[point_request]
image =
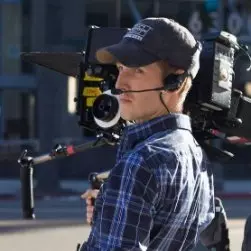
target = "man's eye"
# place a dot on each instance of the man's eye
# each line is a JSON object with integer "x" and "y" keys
{"x": 139, "y": 70}
{"x": 119, "y": 67}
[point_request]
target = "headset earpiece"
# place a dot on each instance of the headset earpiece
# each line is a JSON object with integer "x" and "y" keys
{"x": 173, "y": 81}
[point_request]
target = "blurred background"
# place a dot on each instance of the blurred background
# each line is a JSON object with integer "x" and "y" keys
{"x": 37, "y": 108}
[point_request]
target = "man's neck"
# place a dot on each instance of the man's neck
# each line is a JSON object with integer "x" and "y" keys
{"x": 156, "y": 115}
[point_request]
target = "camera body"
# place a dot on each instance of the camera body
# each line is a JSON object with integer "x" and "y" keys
{"x": 215, "y": 76}
{"x": 213, "y": 104}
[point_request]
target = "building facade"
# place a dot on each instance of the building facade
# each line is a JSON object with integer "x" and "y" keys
{"x": 34, "y": 101}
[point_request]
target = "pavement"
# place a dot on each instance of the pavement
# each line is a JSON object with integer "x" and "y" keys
{"x": 10, "y": 189}
{"x": 59, "y": 222}
{"x": 60, "y": 225}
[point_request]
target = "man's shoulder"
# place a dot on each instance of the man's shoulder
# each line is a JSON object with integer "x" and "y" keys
{"x": 165, "y": 147}
{"x": 155, "y": 152}
{"x": 169, "y": 142}
{"x": 171, "y": 147}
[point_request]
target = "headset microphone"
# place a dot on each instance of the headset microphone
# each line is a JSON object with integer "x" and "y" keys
{"x": 171, "y": 83}
{"x": 115, "y": 91}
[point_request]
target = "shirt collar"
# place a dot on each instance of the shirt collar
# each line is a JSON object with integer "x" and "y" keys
{"x": 136, "y": 133}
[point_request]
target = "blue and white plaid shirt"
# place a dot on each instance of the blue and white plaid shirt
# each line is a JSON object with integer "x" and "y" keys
{"x": 159, "y": 195}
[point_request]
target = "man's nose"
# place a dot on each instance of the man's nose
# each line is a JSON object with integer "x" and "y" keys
{"x": 121, "y": 81}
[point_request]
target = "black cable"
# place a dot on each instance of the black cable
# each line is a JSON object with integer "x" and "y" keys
{"x": 162, "y": 101}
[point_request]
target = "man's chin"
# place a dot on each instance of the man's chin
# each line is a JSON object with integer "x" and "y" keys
{"x": 127, "y": 116}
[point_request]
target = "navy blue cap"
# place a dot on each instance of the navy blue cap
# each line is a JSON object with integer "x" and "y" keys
{"x": 154, "y": 39}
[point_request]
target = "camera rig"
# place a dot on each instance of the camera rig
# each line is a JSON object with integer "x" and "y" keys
{"x": 216, "y": 108}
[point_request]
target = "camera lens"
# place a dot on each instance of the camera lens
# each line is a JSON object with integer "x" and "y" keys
{"x": 105, "y": 107}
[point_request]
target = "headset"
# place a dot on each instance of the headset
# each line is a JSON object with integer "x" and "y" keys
{"x": 173, "y": 81}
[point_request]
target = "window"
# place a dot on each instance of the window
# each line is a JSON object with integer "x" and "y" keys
{"x": 26, "y": 35}
{"x": 11, "y": 29}
{"x": 54, "y": 17}
{"x": 19, "y": 114}
{"x": 101, "y": 12}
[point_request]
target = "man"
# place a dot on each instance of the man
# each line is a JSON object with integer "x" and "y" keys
{"x": 159, "y": 195}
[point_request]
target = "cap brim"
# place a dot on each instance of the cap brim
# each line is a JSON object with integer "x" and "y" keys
{"x": 127, "y": 53}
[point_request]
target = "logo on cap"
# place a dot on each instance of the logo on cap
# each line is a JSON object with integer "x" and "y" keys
{"x": 138, "y": 31}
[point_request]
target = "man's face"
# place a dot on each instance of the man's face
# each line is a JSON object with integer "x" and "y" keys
{"x": 145, "y": 105}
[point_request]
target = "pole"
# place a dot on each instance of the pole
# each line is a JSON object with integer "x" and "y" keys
{"x": 27, "y": 196}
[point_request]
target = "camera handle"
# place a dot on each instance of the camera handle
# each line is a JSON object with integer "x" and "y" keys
{"x": 27, "y": 166}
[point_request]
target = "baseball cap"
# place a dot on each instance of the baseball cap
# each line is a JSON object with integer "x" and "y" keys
{"x": 153, "y": 39}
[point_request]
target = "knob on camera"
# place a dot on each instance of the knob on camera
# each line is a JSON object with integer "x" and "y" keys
{"x": 105, "y": 110}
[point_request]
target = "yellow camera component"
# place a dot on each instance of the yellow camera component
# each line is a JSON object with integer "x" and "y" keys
{"x": 91, "y": 93}
{"x": 92, "y": 78}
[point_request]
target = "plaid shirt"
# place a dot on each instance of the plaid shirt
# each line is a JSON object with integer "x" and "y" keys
{"x": 159, "y": 195}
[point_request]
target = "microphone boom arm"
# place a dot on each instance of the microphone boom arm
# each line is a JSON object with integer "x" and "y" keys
{"x": 27, "y": 165}
{"x": 116, "y": 91}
